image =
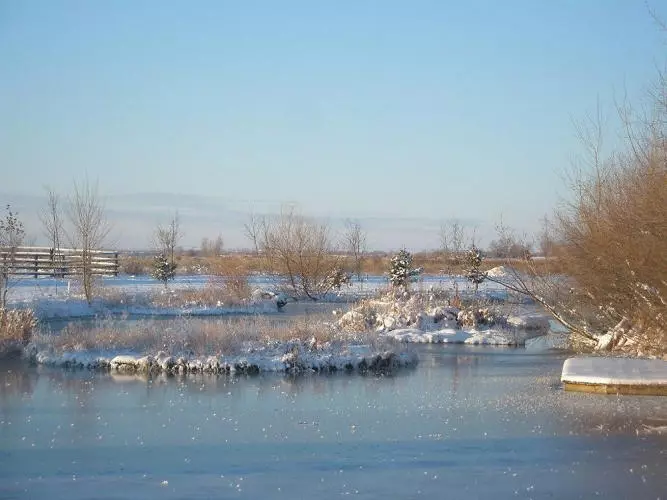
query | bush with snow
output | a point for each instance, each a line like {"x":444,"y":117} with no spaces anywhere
{"x":163,"y":270}
{"x":473,"y":272}
{"x":401,"y":270}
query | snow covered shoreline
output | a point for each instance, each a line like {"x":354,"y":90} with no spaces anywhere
{"x":489,"y":336}
{"x":276,"y":357}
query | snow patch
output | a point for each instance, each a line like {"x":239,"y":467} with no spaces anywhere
{"x":491,"y":336}
{"x":500,"y":272}
{"x":552,"y":340}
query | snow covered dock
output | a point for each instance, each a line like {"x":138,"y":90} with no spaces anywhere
{"x":615,"y":376}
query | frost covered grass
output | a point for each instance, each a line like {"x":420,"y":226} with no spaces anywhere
{"x":16,"y":329}
{"x":182,"y":335}
{"x":244,"y":344}
{"x":215,"y":293}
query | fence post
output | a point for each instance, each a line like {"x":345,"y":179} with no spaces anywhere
{"x":117,"y":267}
{"x":36,"y":266}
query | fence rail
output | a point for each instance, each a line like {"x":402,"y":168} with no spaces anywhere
{"x":61,"y":262}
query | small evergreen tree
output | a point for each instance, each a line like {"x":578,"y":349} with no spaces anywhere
{"x":163,"y":270}
{"x":473,"y":272}
{"x":400,"y":270}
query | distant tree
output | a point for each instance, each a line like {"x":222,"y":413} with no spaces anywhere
{"x":452,"y":244}
{"x":52,"y":223}
{"x":546,"y":241}
{"x":211,"y":248}
{"x":167,"y":239}
{"x":401,"y":270}
{"x":507,"y":245}
{"x":473,"y":273}
{"x":12,"y":235}
{"x":355,"y":241}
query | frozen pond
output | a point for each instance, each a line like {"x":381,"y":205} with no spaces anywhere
{"x":468,"y":422}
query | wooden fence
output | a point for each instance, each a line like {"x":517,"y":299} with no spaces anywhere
{"x":61,"y":262}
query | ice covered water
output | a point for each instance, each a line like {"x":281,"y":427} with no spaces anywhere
{"x":467,"y":422}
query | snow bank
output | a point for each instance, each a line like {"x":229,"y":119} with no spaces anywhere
{"x":552,"y":340}
{"x":615,"y":371}
{"x":500,"y":272}
{"x":529,"y":321}
{"x":286,"y":357}
{"x":490,"y":336}
{"x":420,"y":318}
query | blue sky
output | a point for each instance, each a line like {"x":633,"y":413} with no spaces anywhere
{"x":401,"y":114}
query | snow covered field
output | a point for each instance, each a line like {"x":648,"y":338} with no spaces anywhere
{"x":57,"y":298}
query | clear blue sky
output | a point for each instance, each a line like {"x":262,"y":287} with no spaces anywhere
{"x":423,"y":110}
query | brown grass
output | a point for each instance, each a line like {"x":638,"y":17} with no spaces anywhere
{"x":16,"y":327}
{"x":614,"y":235}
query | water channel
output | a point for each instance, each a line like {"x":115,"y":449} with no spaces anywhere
{"x":467,"y":422}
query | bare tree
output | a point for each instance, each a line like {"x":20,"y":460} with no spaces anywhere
{"x":167,"y":238}
{"x":452,"y":244}
{"x":86,"y":214}
{"x":355,"y":241}
{"x":52,"y":224}
{"x":546,"y":239}
{"x":611,"y":289}
{"x":11,"y":237}
{"x":298,"y":249}
{"x":212,"y":248}
{"x":253,"y":230}
{"x":507,"y":245}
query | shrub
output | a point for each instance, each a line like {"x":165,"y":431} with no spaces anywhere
{"x":401,"y":271}
{"x":135,"y":266}
{"x":612,"y":239}
{"x":474,"y":272}
{"x":296,"y":247}
{"x":336,"y":279}
{"x":16,"y":328}
{"x":163,"y":270}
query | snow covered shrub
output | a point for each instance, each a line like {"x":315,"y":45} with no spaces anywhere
{"x":401,"y":271}
{"x":163,"y":270}
{"x":336,"y":279}
{"x":473,"y":271}
{"x":477,"y":317}
{"x":16,"y":327}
